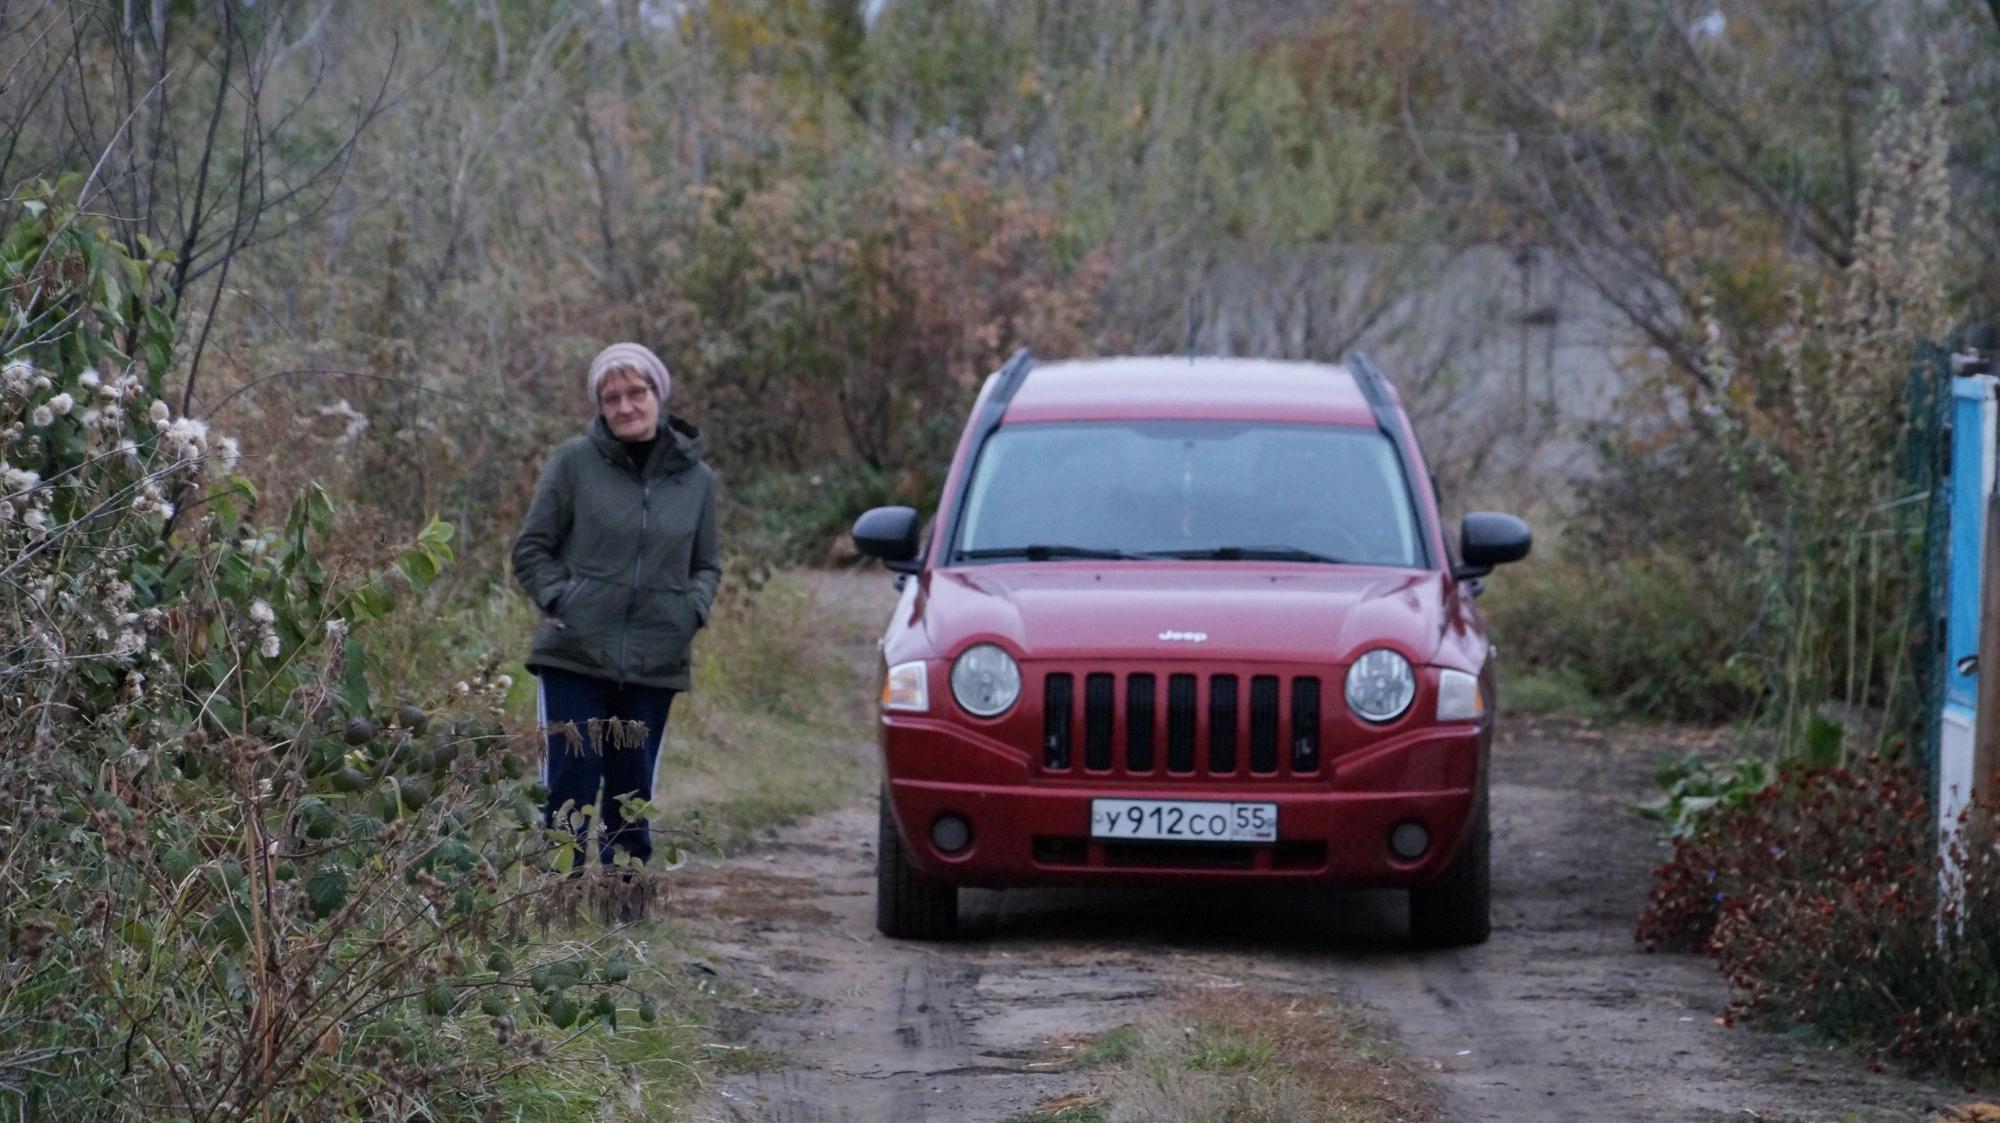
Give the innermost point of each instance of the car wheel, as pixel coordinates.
(907, 907)
(1457, 910)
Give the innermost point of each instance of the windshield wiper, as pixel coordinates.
(1045, 552)
(1250, 553)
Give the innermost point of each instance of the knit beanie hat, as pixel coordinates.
(631, 356)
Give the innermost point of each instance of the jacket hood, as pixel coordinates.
(1185, 611)
(677, 444)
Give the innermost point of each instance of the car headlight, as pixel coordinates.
(1380, 685)
(907, 687)
(1458, 697)
(985, 680)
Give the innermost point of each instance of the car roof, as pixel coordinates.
(1208, 389)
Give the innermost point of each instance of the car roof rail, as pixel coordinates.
(1376, 390)
(1008, 380)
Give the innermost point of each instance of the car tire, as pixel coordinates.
(908, 907)
(1457, 909)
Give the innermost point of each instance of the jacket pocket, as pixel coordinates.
(663, 623)
(563, 594)
(579, 627)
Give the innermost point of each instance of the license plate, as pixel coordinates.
(1182, 820)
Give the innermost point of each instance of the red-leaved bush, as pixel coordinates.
(1826, 902)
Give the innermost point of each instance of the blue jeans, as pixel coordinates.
(597, 766)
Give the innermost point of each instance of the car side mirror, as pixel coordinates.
(891, 534)
(1487, 539)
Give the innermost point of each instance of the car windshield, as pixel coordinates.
(1189, 489)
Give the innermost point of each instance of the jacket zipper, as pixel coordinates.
(638, 563)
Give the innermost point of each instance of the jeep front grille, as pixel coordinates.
(1222, 723)
(1264, 723)
(1199, 719)
(1140, 710)
(1056, 720)
(1305, 725)
(1097, 703)
(1180, 723)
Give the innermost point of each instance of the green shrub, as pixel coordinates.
(238, 884)
(803, 518)
(1551, 691)
(1693, 785)
(1820, 899)
(1649, 635)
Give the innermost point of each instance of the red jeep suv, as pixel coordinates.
(1190, 622)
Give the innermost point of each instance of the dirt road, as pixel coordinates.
(1560, 1017)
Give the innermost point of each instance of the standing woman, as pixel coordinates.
(619, 550)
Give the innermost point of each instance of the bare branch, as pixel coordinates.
(192, 232)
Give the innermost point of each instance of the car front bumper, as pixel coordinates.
(1029, 829)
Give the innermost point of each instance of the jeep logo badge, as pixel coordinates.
(1184, 637)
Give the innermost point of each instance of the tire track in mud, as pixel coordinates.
(883, 1031)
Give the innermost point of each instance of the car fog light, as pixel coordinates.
(1409, 840)
(951, 833)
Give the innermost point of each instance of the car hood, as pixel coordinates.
(1185, 610)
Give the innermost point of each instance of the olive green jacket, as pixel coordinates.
(621, 557)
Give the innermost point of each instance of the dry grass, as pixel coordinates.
(780, 723)
(1256, 1057)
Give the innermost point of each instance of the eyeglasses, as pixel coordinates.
(613, 398)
